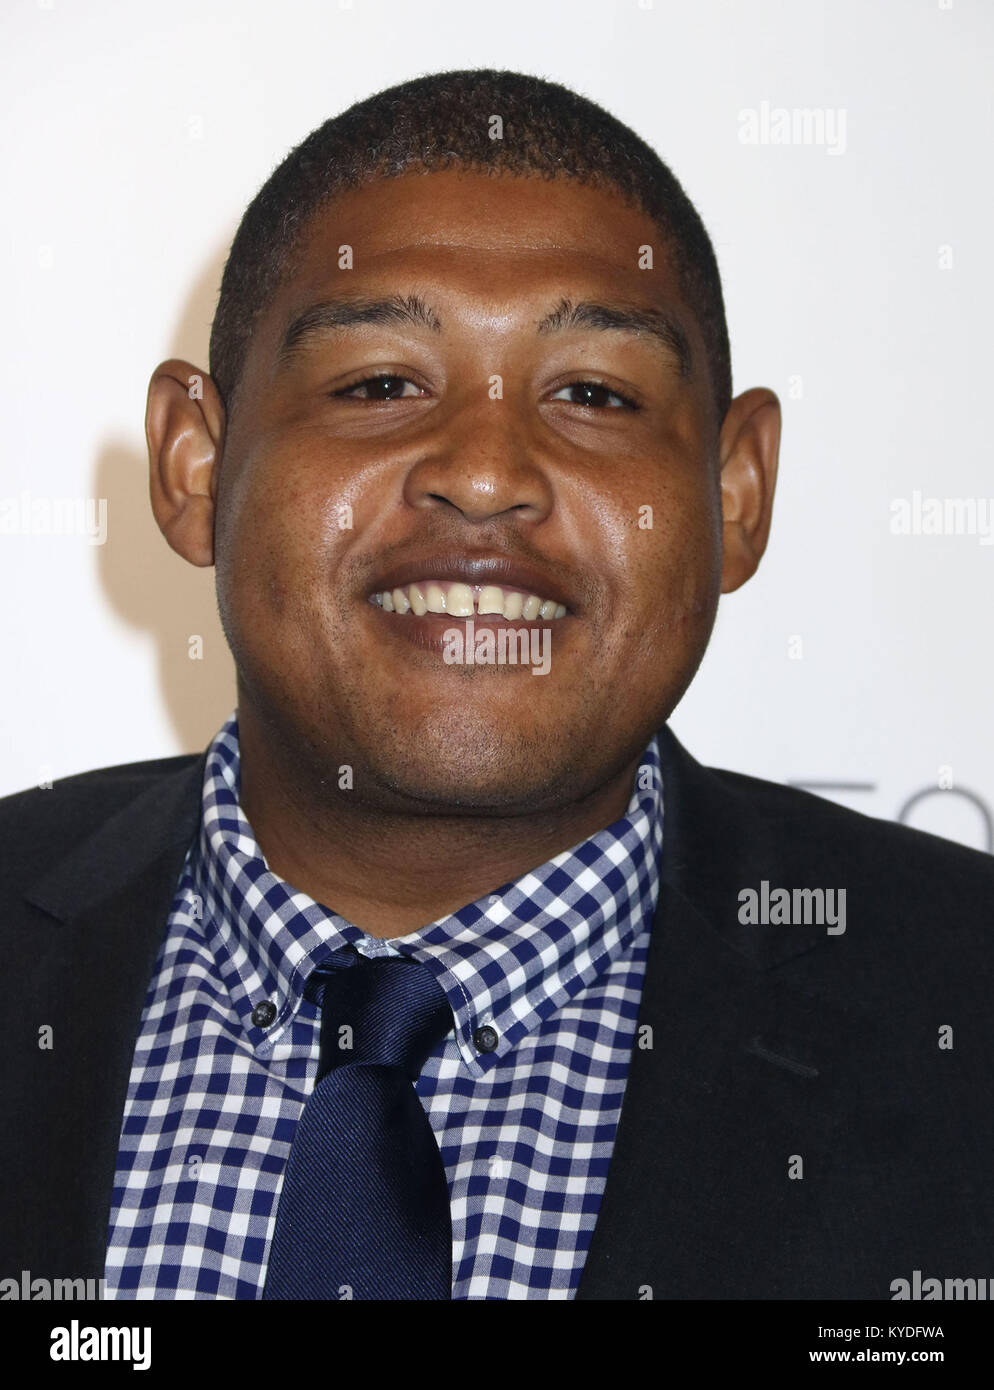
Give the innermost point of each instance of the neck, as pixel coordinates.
(386, 871)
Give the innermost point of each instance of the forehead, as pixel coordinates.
(491, 239)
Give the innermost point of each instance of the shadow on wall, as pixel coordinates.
(148, 585)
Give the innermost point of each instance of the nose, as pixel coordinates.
(480, 463)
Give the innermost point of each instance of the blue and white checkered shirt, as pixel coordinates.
(554, 962)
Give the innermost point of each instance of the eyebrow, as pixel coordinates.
(332, 315)
(623, 318)
(321, 320)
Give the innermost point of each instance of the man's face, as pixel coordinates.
(483, 461)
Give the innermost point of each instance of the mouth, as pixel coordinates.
(498, 603)
(421, 600)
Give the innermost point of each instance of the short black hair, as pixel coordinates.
(444, 119)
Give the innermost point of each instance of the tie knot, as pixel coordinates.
(388, 1012)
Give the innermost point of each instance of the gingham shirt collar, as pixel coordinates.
(507, 960)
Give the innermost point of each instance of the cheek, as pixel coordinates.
(677, 580)
(274, 558)
(277, 595)
(696, 582)
(282, 536)
(674, 557)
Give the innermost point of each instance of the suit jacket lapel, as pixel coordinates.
(725, 1062)
(103, 911)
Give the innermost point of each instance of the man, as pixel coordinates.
(445, 972)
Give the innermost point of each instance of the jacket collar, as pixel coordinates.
(718, 841)
(706, 857)
(164, 817)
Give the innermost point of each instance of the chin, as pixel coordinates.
(484, 775)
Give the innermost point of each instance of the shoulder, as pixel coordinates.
(40, 824)
(809, 829)
(726, 834)
(848, 907)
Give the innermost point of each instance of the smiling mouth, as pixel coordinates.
(429, 597)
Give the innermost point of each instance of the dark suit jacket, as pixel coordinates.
(769, 1044)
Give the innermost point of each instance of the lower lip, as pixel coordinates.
(428, 630)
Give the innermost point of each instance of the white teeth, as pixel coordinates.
(512, 605)
(462, 601)
(459, 601)
(491, 600)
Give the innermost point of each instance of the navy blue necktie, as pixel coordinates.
(364, 1211)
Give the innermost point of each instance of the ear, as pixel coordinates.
(748, 448)
(184, 426)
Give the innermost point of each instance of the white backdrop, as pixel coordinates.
(839, 153)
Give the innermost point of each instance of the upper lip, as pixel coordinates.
(474, 567)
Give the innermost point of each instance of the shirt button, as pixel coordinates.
(264, 1013)
(486, 1038)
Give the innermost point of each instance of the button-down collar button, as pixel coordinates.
(264, 1013)
(486, 1038)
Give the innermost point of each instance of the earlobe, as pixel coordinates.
(749, 450)
(184, 428)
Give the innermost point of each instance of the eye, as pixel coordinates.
(380, 387)
(594, 394)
